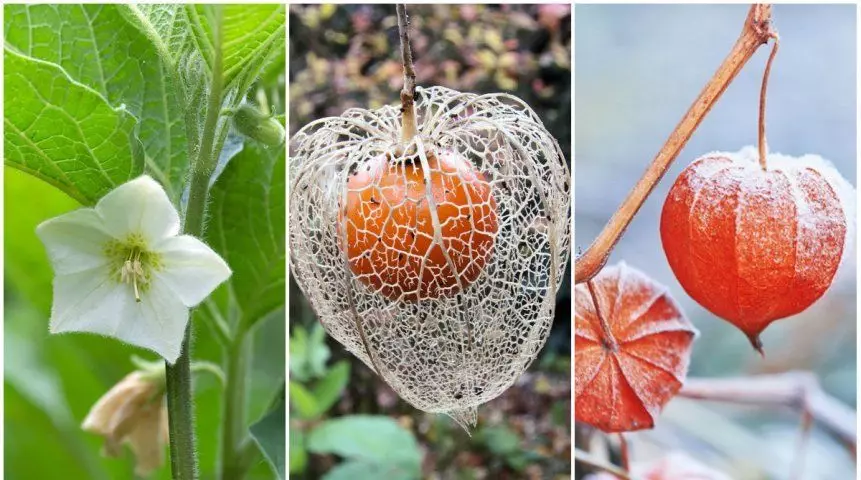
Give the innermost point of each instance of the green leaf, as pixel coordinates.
(308, 354)
(252, 35)
(248, 228)
(371, 439)
(269, 434)
(328, 389)
(313, 402)
(500, 440)
(298, 454)
(166, 25)
(352, 470)
(303, 401)
(97, 47)
(64, 132)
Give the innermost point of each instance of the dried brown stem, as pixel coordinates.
(408, 92)
(763, 144)
(799, 390)
(756, 31)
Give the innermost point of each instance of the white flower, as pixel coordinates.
(133, 412)
(123, 270)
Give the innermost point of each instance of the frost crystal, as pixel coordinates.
(449, 307)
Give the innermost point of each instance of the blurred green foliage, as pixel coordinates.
(373, 445)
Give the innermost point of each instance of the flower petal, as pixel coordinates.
(146, 440)
(88, 301)
(191, 268)
(142, 207)
(157, 322)
(91, 301)
(75, 241)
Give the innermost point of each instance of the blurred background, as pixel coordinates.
(639, 67)
(345, 422)
(52, 381)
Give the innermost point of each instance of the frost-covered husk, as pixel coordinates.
(624, 376)
(844, 190)
(755, 245)
(452, 353)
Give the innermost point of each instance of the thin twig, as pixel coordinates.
(587, 458)
(763, 144)
(757, 30)
(408, 92)
(799, 390)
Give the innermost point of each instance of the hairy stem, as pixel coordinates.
(180, 409)
(180, 401)
(233, 436)
(763, 144)
(408, 92)
(756, 31)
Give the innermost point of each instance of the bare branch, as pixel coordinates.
(799, 390)
(587, 458)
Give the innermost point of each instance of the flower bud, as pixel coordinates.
(133, 412)
(254, 124)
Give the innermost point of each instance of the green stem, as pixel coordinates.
(180, 402)
(248, 454)
(180, 407)
(233, 430)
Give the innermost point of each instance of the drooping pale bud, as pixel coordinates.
(122, 269)
(134, 413)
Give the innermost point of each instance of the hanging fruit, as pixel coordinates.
(752, 244)
(431, 238)
(392, 206)
(632, 346)
(755, 236)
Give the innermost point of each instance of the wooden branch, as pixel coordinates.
(756, 31)
(798, 390)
